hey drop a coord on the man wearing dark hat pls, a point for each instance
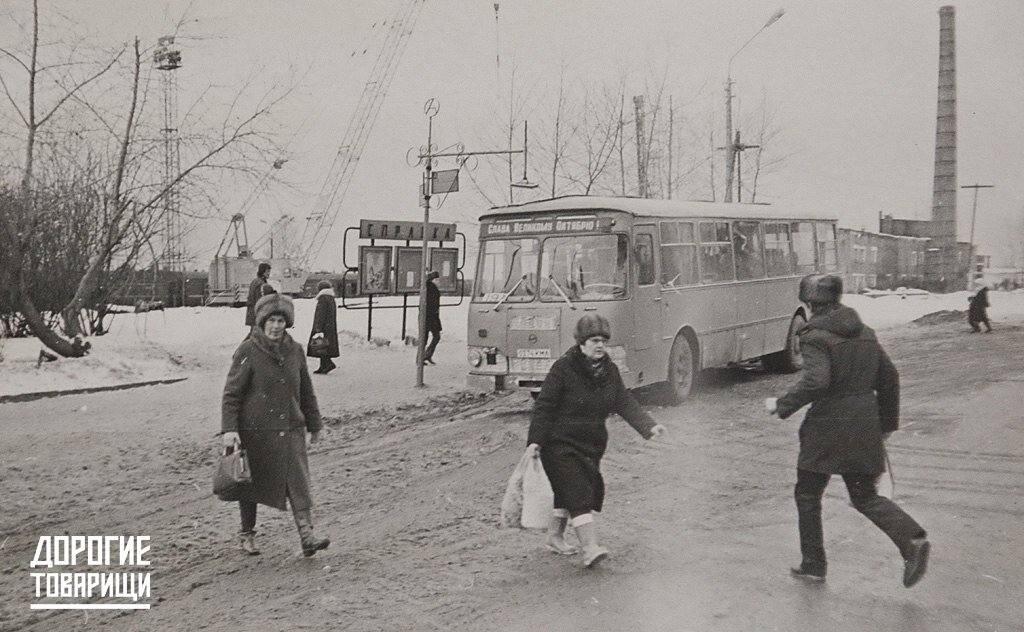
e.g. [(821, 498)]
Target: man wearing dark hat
[(433, 316), (256, 292), (854, 393)]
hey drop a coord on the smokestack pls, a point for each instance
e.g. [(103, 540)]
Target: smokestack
[(944, 189)]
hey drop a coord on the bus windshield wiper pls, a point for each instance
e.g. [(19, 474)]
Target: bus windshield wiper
[(509, 293), (560, 291)]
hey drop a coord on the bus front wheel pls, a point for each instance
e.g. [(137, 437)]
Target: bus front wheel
[(681, 370), (789, 360)]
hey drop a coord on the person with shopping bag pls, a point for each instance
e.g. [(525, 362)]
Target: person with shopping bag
[(568, 434), (267, 408)]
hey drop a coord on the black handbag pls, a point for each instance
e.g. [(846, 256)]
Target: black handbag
[(232, 478), (318, 346)]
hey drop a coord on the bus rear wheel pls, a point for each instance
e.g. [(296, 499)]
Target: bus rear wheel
[(789, 360), (681, 370)]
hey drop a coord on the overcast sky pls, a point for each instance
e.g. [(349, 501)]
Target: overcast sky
[(853, 85)]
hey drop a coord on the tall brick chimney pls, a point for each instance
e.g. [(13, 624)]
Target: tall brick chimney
[(944, 189)]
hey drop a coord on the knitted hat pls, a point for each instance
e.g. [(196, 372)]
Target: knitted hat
[(821, 289), (592, 325), (324, 284), (263, 269), (275, 304)]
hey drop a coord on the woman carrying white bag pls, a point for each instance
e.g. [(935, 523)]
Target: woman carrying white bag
[(568, 433)]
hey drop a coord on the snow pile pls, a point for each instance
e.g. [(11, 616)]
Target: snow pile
[(181, 342)]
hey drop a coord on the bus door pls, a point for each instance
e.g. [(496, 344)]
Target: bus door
[(647, 303)]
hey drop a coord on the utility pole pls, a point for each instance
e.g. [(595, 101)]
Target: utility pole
[(974, 213), (641, 154), (738, 149), (670, 146)]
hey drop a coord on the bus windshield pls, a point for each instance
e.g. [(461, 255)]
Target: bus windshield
[(584, 268), (507, 267)]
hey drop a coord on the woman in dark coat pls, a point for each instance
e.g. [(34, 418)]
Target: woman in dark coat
[(325, 323), (854, 392), (977, 312), (268, 407), (568, 432)]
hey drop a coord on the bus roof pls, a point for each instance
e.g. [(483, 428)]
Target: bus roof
[(643, 207)]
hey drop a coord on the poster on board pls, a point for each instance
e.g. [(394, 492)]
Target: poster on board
[(375, 270)]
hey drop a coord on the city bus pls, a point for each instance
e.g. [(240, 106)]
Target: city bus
[(685, 286)]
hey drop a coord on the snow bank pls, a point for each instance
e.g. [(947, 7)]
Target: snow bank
[(178, 342)]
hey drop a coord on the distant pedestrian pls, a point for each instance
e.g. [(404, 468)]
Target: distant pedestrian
[(255, 292), (977, 312), (268, 406), (568, 433), (433, 316), (325, 324), (854, 393)]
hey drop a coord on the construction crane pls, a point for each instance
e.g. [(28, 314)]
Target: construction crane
[(328, 202)]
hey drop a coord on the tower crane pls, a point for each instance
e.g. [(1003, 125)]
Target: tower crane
[(328, 202)]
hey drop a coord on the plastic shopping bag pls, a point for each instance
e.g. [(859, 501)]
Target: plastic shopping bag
[(512, 503), (528, 497), (538, 499)]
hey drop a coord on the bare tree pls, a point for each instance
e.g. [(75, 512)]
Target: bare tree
[(120, 197), (767, 158)]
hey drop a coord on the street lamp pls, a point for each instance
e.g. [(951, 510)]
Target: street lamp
[(730, 148)]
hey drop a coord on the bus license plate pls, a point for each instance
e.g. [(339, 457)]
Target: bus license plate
[(533, 366), (533, 353)]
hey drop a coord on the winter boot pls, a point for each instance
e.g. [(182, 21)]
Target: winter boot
[(310, 543), (586, 531), (556, 535), (247, 542)]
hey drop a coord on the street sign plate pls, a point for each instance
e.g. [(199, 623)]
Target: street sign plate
[(386, 229)]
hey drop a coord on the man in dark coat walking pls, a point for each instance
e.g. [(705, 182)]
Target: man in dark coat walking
[(256, 293), (853, 389), (977, 312), (433, 316), (325, 325)]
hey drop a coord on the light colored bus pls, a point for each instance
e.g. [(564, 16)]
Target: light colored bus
[(685, 285)]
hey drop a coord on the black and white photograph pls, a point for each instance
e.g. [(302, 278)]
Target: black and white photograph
[(388, 315)]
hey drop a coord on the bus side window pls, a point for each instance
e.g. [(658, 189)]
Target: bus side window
[(776, 250), (802, 234), (746, 242), (715, 252), (678, 255), (645, 259)]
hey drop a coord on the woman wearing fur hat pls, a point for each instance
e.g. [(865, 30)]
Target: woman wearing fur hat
[(268, 406), (569, 436), (325, 323), (854, 392)]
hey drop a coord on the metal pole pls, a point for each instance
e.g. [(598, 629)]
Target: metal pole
[(421, 342), (974, 213), (729, 147)]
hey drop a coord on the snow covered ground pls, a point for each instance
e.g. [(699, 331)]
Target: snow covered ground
[(185, 342)]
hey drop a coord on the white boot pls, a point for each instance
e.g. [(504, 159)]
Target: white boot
[(556, 534), (586, 530)]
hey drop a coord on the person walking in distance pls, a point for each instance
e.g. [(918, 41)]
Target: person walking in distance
[(977, 312), (433, 316), (267, 408), (325, 325), (854, 393), (568, 433), (255, 293)]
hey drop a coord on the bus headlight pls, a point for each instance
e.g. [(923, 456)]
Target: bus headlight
[(475, 357)]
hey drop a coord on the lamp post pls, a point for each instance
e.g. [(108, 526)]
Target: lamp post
[(730, 149)]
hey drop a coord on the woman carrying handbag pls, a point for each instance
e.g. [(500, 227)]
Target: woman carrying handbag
[(267, 409)]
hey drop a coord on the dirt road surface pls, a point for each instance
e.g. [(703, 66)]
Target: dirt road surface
[(408, 483)]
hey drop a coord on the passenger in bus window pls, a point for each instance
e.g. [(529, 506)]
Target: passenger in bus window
[(854, 393), (569, 436)]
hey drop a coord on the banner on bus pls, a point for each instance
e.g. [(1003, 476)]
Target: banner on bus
[(553, 226)]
